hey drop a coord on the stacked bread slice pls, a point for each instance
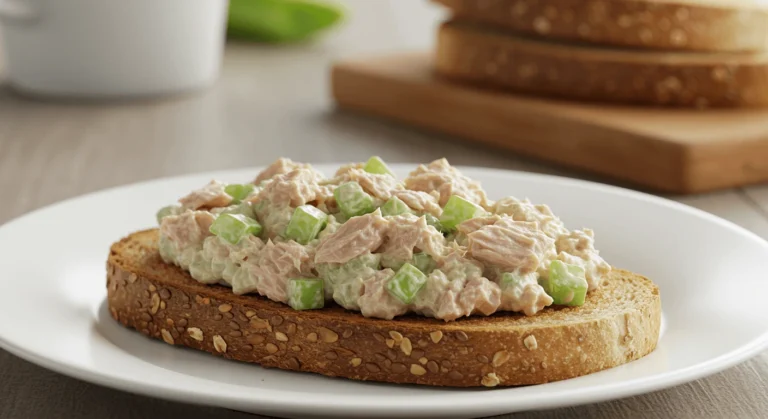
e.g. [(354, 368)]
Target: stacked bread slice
[(685, 53)]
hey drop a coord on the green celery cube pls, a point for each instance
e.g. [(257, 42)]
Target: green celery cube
[(423, 262), (567, 284), (406, 283), (353, 200), (457, 210), (306, 293), (233, 227), (238, 192), (306, 223), (434, 222), (377, 166), (394, 206)]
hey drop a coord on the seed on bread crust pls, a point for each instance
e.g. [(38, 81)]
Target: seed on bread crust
[(406, 346), (219, 344), (258, 323), (432, 366), (436, 336), (167, 337), (530, 342), (195, 333), (397, 336), (347, 334), (390, 343), (312, 337), (423, 360), (256, 339), (417, 369), (355, 362), (224, 308), (460, 335), (271, 348), (276, 320), (281, 337), (250, 313), (490, 380), (327, 335), (372, 367), (155, 304), (500, 358)]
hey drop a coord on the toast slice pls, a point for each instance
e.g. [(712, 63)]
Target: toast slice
[(683, 25), (619, 323), (474, 54)]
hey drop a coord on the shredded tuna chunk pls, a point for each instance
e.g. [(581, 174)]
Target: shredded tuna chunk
[(187, 229), (510, 245), (211, 195), (293, 189), (441, 177), (439, 297), (479, 296), (474, 224), (525, 296), (376, 300), (420, 201), (378, 186), (275, 265), (357, 236), (526, 211), (281, 166), (578, 248), (404, 234)]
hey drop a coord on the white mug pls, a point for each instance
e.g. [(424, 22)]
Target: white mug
[(112, 48)]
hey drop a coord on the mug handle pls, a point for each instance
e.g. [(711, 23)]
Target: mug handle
[(18, 11)]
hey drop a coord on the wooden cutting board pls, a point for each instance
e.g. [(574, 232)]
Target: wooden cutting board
[(665, 150)]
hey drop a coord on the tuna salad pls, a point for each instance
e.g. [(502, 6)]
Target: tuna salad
[(431, 244)]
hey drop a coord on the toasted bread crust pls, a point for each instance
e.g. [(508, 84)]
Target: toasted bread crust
[(495, 59), (619, 323), (725, 26)]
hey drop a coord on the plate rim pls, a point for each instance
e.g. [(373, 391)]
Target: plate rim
[(491, 403)]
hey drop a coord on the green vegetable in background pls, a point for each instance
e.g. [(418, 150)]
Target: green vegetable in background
[(279, 20)]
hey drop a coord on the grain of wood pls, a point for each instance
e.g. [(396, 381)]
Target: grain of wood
[(674, 151)]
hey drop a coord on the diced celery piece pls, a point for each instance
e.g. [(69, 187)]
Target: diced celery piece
[(434, 222), (567, 284), (306, 223), (306, 293), (406, 283), (423, 262), (352, 200), (509, 279), (239, 192), (233, 227), (376, 165), (457, 210), (394, 206), (166, 211)]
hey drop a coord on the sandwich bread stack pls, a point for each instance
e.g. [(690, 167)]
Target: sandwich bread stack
[(684, 53)]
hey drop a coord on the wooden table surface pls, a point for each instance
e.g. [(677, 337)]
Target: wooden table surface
[(273, 102)]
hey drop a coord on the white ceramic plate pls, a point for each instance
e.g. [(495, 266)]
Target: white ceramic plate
[(53, 312)]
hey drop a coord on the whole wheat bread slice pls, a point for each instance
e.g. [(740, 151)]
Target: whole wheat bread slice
[(692, 25), (619, 323), (474, 54)]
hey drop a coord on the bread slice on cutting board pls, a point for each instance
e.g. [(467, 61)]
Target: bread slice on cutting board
[(619, 323), (693, 25), (471, 53)]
